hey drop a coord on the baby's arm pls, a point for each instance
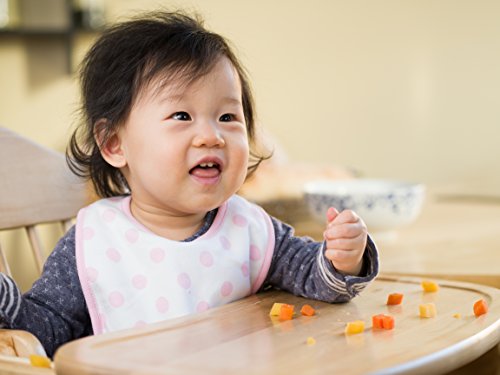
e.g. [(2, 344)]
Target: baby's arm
[(54, 309), (299, 266)]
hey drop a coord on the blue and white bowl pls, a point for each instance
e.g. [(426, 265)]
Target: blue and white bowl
[(384, 205)]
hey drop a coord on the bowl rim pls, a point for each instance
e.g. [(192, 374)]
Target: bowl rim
[(346, 186)]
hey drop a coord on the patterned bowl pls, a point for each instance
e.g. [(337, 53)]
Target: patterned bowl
[(384, 205)]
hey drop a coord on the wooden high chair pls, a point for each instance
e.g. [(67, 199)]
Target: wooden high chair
[(36, 187)]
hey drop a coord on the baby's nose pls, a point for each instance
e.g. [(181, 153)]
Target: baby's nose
[(208, 135)]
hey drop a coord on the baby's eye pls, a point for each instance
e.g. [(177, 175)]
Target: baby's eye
[(226, 118), (181, 116)]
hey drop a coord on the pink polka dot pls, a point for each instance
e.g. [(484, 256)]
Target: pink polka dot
[(132, 235), (157, 254), (206, 259), (226, 289), (88, 233), (254, 252), (184, 280), (92, 274), (140, 324), (245, 270), (113, 255), (162, 305), (202, 306), (226, 244), (139, 281), (109, 215), (239, 220), (116, 299)]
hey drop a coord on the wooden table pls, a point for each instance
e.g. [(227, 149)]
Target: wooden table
[(455, 237), (241, 338)]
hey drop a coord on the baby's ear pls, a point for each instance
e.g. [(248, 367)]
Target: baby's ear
[(109, 144)]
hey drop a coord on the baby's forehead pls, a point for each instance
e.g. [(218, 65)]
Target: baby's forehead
[(165, 86), (174, 85)]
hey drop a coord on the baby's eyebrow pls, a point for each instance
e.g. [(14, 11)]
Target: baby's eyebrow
[(170, 97), (177, 97), (232, 100)]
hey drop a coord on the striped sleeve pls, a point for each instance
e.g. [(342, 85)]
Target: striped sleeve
[(10, 300), (349, 285)]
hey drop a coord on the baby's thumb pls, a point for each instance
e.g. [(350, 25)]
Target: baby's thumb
[(331, 214)]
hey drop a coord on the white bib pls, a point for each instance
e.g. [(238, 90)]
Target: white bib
[(131, 276)]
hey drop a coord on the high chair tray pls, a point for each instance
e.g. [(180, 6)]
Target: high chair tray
[(242, 338)]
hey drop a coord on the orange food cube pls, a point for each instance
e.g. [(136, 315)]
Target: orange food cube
[(382, 321), (388, 322), (275, 310), (429, 286), (355, 327), (286, 312), (39, 361), (377, 321), (480, 307), (427, 310), (307, 310), (394, 299)]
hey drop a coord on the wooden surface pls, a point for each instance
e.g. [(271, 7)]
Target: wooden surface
[(241, 338), (455, 237), (37, 186), (21, 366)]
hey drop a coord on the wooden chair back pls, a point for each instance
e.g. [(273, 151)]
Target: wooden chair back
[(36, 187)]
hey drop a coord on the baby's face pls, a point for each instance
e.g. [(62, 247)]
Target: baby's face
[(185, 148)]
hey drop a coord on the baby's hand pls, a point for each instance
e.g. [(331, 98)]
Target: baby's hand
[(345, 237)]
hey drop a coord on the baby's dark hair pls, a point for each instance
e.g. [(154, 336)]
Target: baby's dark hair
[(123, 61)]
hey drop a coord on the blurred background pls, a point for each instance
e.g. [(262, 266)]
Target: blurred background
[(402, 89), (389, 88)]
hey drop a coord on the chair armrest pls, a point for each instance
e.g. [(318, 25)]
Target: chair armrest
[(18, 343)]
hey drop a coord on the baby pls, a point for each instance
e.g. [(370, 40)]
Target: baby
[(168, 139)]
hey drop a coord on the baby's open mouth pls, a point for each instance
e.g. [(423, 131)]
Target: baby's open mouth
[(206, 170)]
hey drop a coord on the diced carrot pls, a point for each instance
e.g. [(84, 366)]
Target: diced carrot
[(382, 321), (480, 307), (388, 322), (307, 310), (355, 327), (286, 312), (377, 321), (39, 361), (275, 310), (429, 286), (394, 299), (427, 310)]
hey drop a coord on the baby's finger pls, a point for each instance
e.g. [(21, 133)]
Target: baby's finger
[(342, 257), (347, 243), (331, 214), (349, 230), (346, 216)]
